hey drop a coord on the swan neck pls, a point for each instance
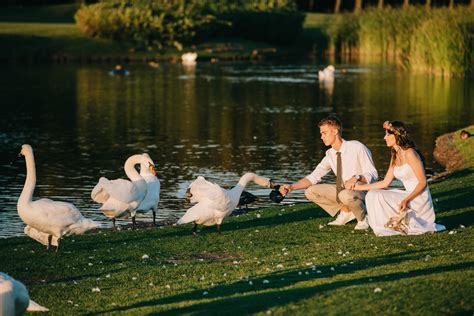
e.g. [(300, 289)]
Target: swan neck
[(30, 182), (249, 176), (130, 170)]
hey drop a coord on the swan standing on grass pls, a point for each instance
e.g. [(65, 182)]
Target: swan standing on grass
[(47, 221), (327, 73), (14, 298), (119, 197), (214, 203), (152, 198)]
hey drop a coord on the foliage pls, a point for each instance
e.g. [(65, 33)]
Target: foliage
[(440, 41), (343, 33), (157, 24), (452, 51), (388, 32)]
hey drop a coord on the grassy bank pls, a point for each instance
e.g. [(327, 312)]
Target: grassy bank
[(282, 259)]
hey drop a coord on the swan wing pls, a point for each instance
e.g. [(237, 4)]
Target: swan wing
[(51, 210), (200, 213), (153, 191), (202, 189), (119, 189), (152, 197), (99, 193)]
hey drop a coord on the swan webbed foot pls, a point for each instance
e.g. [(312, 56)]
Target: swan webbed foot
[(59, 244), (113, 222), (133, 222), (50, 238), (194, 231), (154, 218), (219, 229)]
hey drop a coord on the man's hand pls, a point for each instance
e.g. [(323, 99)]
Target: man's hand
[(285, 189), (350, 184)]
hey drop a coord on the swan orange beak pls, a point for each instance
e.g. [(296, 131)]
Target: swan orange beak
[(152, 169), (189, 195)]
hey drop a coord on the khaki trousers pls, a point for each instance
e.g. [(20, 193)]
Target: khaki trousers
[(325, 196)]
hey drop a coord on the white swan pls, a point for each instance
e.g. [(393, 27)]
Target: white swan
[(327, 73), (47, 221), (213, 202), (119, 197), (189, 58), (152, 198), (14, 298)]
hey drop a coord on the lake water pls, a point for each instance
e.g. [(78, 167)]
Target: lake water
[(216, 120)]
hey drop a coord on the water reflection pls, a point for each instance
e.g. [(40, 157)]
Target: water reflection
[(213, 120)]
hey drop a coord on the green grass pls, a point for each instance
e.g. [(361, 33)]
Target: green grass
[(295, 263)]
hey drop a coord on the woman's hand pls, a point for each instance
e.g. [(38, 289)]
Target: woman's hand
[(403, 206), (350, 184)]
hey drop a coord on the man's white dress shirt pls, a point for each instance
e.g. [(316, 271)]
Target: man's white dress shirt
[(356, 160)]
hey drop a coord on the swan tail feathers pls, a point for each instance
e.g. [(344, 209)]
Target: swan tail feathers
[(199, 213), (113, 207), (185, 219), (35, 307), (189, 217), (82, 226), (99, 194)]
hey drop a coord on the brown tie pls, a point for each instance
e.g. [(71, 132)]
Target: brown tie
[(339, 187)]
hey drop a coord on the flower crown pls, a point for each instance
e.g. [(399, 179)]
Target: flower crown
[(388, 126)]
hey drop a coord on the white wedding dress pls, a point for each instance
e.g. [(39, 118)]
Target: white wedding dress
[(383, 204)]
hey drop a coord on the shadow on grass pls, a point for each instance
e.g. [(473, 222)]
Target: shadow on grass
[(264, 301), (287, 217), (457, 197), (255, 302), (57, 279)]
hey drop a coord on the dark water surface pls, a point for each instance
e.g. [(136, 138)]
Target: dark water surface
[(217, 120)]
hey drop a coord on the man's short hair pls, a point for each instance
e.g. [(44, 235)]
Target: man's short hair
[(333, 121)]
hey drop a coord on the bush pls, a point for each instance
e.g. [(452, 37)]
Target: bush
[(145, 23), (155, 24)]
